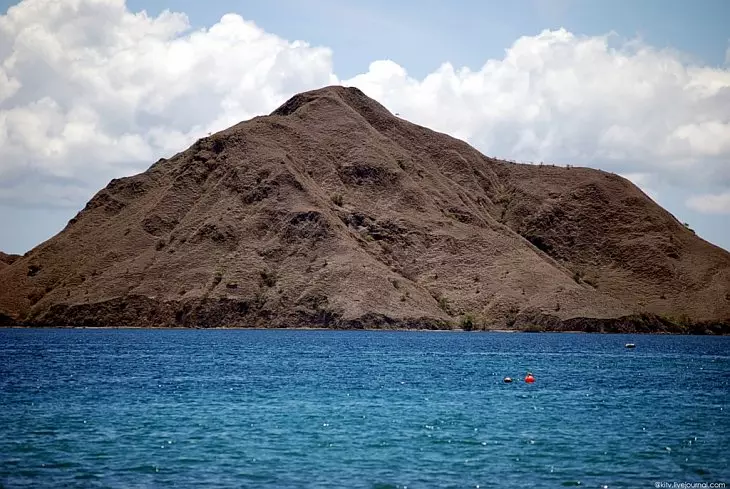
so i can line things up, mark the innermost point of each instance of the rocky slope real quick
(6, 259)
(332, 212)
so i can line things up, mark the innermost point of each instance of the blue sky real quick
(421, 34)
(417, 37)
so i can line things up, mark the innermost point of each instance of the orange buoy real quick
(529, 378)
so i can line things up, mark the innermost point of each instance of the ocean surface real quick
(357, 409)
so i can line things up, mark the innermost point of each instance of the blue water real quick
(238, 408)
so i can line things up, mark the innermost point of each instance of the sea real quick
(125, 408)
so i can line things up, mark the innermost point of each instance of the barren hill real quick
(332, 212)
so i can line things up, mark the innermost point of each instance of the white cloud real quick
(710, 203)
(581, 100)
(91, 91)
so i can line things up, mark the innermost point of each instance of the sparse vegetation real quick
(217, 277)
(395, 283)
(444, 303)
(577, 276)
(268, 278)
(337, 199)
(35, 296)
(681, 320)
(591, 281)
(409, 275)
(467, 322)
(259, 299)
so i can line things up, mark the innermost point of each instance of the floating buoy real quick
(630, 345)
(507, 380)
(529, 378)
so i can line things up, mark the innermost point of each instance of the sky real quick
(92, 90)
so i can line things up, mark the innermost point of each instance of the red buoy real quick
(529, 378)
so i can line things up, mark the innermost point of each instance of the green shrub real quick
(467, 322)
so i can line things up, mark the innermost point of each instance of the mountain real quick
(333, 212)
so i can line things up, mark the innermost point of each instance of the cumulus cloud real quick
(710, 203)
(559, 97)
(90, 91)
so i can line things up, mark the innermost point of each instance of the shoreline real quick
(146, 312)
(383, 330)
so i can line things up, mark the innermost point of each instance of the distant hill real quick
(332, 212)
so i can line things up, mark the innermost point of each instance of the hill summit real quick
(333, 212)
